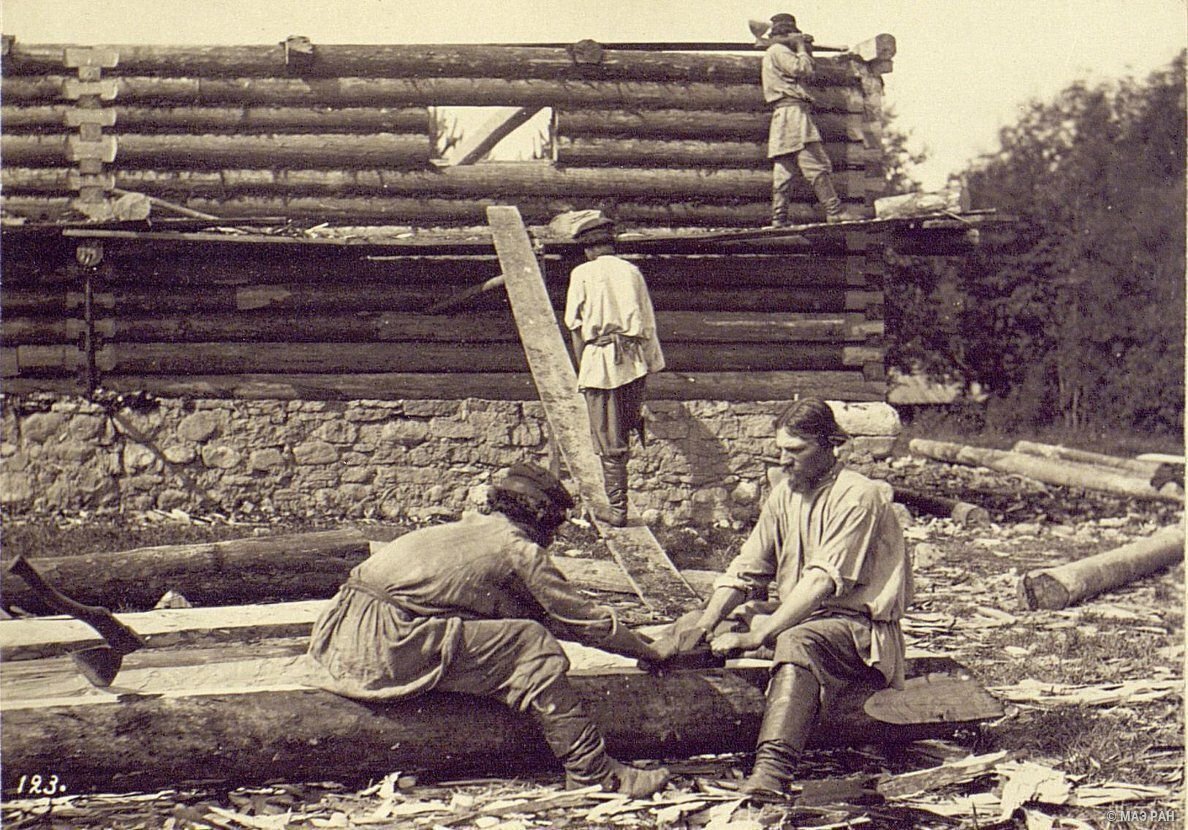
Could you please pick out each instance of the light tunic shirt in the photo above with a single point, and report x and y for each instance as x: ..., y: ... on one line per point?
x: 608, y: 304
x: 431, y: 584
x: 791, y: 123
x: 846, y: 528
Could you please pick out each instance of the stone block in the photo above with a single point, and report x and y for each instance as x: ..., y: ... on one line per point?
x: 266, y: 459
x: 357, y: 475
x: 172, y: 499
x: 874, y: 446
x: 198, y: 426
x: 315, y: 453
x: 138, y: 457
x: 41, y: 427
x: 451, y: 428
x: 337, y: 432
x: 220, y: 456
x: 745, y: 492
x: 15, y: 488
x: 431, y: 409
x: 404, y: 432
x: 70, y: 452
x: 179, y: 454
x: 873, y: 418
x: 85, y: 427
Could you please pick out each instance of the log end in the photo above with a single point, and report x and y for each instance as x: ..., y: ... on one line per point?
x: 1040, y: 590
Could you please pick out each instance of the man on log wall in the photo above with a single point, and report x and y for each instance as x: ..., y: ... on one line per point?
x: 609, y: 314
x: 793, y: 138
x: 829, y: 541
x: 475, y: 606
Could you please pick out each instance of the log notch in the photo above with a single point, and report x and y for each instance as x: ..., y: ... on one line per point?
x: 243, y: 715
x: 1060, y: 587
x: 241, y: 570
x: 1066, y: 473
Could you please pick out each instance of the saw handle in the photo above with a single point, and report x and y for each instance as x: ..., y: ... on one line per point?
x: 120, y: 637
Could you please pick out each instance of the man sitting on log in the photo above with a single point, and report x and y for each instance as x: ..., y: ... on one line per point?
x: 475, y: 606
x: 793, y: 138
x: 828, y: 540
x: 609, y: 314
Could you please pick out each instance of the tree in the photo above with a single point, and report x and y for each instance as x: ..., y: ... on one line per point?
x: 1081, y: 320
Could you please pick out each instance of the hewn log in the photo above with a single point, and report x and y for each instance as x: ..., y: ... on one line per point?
x: 466, y: 326
x: 1141, y: 469
x: 206, y: 152
x: 488, y: 179
x: 241, y: 120
x: 441, y: 92
x: 240, y: 570
x: 1065, y: 585
x: 420, y: 62
x: 355, y: 358
x: 1066, y: 473
x: 907, y: 205
x: 682, y: 386
x: 34, y: 638
x: 649, y: 152
x: 961, y: 512
x: 244, y: 716
x: 447, y: 212
x: 708, y: 125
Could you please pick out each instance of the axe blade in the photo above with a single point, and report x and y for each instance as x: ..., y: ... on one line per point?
x: 98, y: 664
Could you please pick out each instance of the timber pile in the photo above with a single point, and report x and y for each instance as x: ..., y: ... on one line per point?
x: 1052, y: 471
x: 346, y: 131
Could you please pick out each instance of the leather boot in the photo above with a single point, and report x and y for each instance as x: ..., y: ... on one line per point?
x: 577, y: 744
x: 793, y: 697
x: 834, y: 210
x: 614, y: 471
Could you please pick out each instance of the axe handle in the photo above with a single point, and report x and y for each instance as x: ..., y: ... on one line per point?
x: 120, y: 637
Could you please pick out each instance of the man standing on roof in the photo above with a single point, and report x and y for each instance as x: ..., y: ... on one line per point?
x: 609, y: 314
x: 793, y: 139
x: 476, y: 606
x: 829, y: 542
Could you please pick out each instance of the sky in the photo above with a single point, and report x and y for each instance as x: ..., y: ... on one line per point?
x: 964, y: 68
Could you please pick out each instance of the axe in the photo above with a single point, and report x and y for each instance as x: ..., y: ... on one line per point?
x: 98, y: 664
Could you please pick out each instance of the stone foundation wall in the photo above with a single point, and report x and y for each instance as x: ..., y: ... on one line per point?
x: 371, y: 459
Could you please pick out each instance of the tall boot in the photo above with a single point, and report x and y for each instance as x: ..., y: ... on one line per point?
x: 826, y: 194
x: 577, y: 744
x: 614, y: 471
x: 793, y: 697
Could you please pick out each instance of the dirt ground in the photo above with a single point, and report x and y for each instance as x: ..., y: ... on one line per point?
x: 1093, y: 731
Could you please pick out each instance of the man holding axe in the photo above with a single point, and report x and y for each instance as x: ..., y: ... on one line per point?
x: 794, y: 138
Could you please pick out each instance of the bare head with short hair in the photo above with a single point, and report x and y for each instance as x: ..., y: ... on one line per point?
x: 812, y: 418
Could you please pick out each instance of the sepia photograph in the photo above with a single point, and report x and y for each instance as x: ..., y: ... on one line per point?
x: 706, y: 415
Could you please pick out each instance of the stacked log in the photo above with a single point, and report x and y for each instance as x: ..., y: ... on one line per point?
x: 1066, y: 473
x: 262, y: 133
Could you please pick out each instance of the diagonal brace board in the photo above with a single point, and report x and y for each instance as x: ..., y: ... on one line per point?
x: 652, y: 574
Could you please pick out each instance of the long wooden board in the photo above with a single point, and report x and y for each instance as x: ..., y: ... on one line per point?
x: 656, y: 579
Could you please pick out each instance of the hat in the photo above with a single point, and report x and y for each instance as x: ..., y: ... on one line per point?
x: 783, y: 24
x: 584, y: 226
x: 537, y: 484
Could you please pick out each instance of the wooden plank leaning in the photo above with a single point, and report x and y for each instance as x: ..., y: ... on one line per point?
x: 653, y: 575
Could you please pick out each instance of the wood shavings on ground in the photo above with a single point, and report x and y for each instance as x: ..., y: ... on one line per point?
x: 1102, y: 694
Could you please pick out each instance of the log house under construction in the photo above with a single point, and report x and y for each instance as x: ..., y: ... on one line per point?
x: 277, y: 139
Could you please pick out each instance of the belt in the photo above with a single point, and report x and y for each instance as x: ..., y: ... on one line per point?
x: 353, y: 584
x: 617, y: 341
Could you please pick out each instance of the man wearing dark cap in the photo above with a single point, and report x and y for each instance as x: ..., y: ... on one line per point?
x: 793, y: 139
x: 476, y: 606
x: 828, y: 541
x: 609, y: 314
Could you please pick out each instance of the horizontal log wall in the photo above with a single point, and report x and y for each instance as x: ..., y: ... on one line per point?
x: 185, y: 319
x: 654, y: 139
